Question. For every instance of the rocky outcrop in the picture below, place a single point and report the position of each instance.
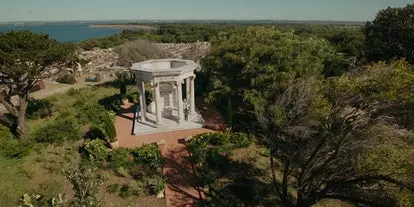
(98, 59)
(193, 51)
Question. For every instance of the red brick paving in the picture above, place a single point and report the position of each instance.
(181, 189)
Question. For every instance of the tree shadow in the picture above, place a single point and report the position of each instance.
(180, 177)
(241, 184)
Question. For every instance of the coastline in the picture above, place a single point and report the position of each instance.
(122, 26)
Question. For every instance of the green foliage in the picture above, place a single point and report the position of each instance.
(96, 132)
(109, 127)
(39, 108)
(389, 35)
(112, 103)
(66, 78)
(27, 54)
(229, 113)
(240, 139)
(266, 62)
(120, 158)
(157, 185)
(85, 183)
(96, 150)
(12, 147)
(124, 78)
(133, 97)
(57, 131)
(149, 155)
(198, 146)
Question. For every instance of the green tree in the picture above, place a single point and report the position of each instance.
(25, 58)
(124, 78)
(390, 34)
(246, 64)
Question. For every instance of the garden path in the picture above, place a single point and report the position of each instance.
(181, 189)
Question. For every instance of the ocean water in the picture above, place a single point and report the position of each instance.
(66, 32)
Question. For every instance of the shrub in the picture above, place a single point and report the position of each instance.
(58, 131)
(124, 78)
(85, 183)
(113, 188)
(39, 109)
(96, 150)
(66, 78)
(157, 185)
(120, 158)
(112, 103)
(11, 147)
(125, 191)
(240, 139)
(94, 113)
(109, 127)
(218, 139)
(149, 155)
(133, 97)
(96, 132)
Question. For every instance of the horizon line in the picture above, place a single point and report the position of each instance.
(154, 20)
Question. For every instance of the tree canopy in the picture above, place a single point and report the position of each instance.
(26, 57)
(391, 34)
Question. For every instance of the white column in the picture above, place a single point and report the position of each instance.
(180, 101)
(144, 102)
(157, 103)
(171, 99)
(141, 101)
(192, 95)
(187, 89)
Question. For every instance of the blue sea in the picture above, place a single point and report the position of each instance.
(65, 32)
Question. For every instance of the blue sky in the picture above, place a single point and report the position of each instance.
(57, 10)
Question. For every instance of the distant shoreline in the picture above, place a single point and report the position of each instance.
(122, 26)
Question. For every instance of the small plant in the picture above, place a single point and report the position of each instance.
(85, 183)
(29, 200)
(149, 155)
(125, 191)
(240, 139)
(133, 97)
(114, 188)
(120, 158)
(66, 78)
(96, 150)
(109, 127)
(157, 186)
(122, 172)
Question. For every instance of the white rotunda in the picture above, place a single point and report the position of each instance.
(170, 109)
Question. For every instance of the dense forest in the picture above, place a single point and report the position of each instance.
(315, 113)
